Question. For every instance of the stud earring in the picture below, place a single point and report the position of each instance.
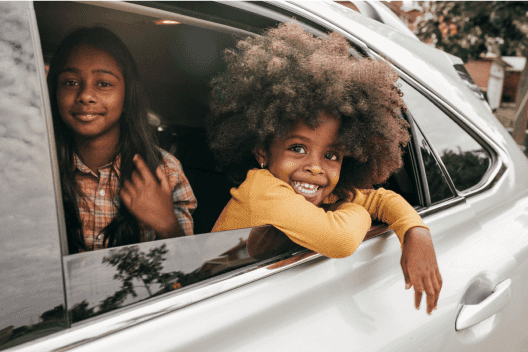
(262, 165)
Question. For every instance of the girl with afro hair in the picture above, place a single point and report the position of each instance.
(324, 128)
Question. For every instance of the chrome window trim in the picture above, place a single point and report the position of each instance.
(497, 167)
(98, 327)
(438, 207)
(438, 159)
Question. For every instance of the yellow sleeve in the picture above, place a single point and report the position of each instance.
(263, 199)
(390, 208)
(335, 234)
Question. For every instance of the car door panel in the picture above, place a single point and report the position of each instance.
(327, 304)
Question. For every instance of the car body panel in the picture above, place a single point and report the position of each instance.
(317, 303)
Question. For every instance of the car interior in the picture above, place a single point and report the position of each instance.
(177, 58)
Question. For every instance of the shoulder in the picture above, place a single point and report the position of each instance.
(169, 163)
(261, 183)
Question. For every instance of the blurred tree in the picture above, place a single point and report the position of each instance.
(467, 28)
(133, 264)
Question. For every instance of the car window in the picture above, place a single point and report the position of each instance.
(32, 302)
(178, 47)
(464, 158)
(176, 60)
(437, 184)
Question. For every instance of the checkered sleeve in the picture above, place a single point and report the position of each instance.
(182, 194)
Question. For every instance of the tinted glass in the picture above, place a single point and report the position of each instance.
(436, 181)
(104, 280)
(465, 159)
(31, 285)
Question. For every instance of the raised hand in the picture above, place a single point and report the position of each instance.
(420, 268)
(151, 201)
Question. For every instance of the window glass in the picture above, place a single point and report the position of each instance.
(31, 284)
(436, 181)
(104, 280)
(465, 159)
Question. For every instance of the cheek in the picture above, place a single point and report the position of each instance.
(283, 168)
(333, 176)
(64, 102)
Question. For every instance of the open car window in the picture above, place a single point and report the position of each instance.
(179, 48)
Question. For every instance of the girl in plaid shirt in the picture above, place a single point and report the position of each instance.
(118, 187)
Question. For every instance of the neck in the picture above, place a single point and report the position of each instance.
(97, 152)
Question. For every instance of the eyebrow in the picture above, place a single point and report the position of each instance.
(74, 70)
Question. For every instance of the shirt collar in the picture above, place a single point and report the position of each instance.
(78, 164)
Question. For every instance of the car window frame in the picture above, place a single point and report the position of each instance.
(497, 165)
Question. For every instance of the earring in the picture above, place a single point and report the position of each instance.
(262, 165)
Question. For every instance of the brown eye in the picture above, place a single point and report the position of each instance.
(298, 149)
(331, 156)
(70, 83)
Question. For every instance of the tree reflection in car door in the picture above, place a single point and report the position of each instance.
(102, 281)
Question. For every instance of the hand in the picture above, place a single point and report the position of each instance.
(150, 201)
(419, 267)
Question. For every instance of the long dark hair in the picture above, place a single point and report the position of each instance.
(136, 136)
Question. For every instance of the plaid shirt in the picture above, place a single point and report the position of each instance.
(101, 198)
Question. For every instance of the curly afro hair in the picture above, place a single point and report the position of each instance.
(287, 74)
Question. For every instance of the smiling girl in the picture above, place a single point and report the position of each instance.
(323, 128)
(118, 187)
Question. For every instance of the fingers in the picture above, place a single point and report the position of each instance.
(164, 180)
(142, 168)
(431, 285)
(418, 292)
(408, 283)
(432, 295)
(127, 193)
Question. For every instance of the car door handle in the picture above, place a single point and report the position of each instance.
(472, 314)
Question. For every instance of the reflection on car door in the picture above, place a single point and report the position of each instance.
(32, 302)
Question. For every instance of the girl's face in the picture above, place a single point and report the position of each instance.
(91, 93)
(307, 159)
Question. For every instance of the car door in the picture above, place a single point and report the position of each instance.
(490, 312)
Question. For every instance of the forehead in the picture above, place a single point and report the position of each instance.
(89, 57)
(327, 127)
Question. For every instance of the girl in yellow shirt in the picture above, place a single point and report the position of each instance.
(321, 125)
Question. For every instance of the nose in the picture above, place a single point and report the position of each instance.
(314, 167)
(86, 95)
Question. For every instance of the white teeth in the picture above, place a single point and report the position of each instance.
(306, 188)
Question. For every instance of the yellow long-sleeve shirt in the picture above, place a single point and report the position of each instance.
(263, 199)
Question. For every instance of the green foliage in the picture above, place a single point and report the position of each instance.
(479, 24)
(465, 168)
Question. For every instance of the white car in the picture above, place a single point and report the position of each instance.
(463, 173)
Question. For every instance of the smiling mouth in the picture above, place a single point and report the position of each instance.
(85, 117)
(306, 189)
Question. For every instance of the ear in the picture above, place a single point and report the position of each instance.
(261, 155)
